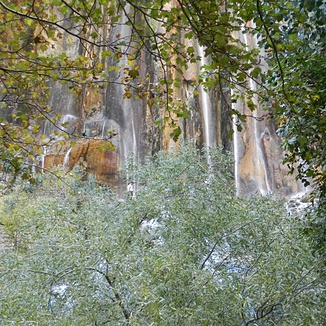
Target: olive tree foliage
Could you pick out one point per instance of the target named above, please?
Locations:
(183, 250)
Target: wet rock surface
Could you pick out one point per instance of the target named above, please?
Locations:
(95, 155)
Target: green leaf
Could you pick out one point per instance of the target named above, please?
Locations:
(175, 134)
(255, 72)
(64, 10)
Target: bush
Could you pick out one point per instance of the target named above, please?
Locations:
(183, 251)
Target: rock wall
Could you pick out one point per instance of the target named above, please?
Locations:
(130, 124)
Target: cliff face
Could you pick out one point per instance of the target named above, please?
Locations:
(129, 121)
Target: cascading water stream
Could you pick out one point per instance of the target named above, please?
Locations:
(257, 148)
(236, 144)
(103, 135)
(67, 158)
(129, 118)
(252, 170)
(260, 159)
(209, 119)
(45, 148)
(205, 104)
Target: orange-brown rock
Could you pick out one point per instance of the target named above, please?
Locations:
(94, 154)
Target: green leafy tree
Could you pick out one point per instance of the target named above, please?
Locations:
(32, 61)
(183, 250)
(294, 36)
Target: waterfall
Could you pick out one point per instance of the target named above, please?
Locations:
(123, 120)
(103, 135)
(257, 148)
(126, 112)
(236, 145)
(206, 104)
(67, 158)
(130, 134)
(62, 101)
(260, 158)
(252, 168)
(43, 158)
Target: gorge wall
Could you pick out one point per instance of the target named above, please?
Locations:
(130, 124)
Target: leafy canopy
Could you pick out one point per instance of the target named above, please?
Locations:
(36, 52)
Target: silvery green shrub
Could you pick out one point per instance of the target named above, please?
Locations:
(181, 250)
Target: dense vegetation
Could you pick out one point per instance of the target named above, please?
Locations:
(186, 251)
(182, 251)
